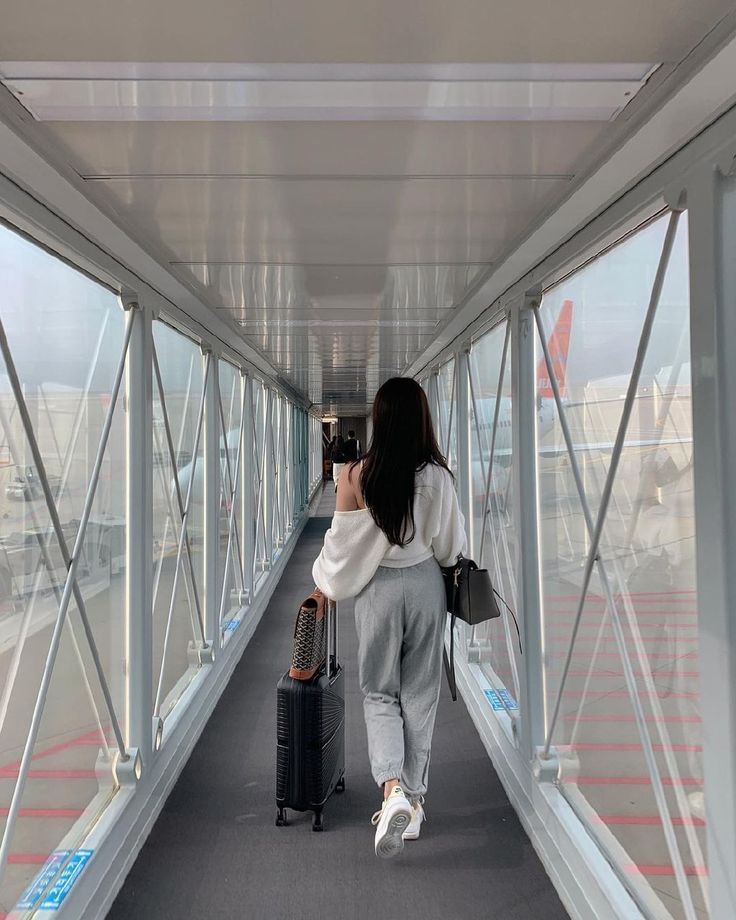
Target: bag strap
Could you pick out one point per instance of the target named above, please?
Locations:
(450, 664)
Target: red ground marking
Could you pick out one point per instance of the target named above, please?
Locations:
(590, 630)
(12, 773)
(624, 695)
(646, 869)
(653, 656)
(44, 812)
(652, 639)
(649, 820)
(641, 594)
(624, 748)
(656, 673)
(634, 781)
(90, 739)
(556, 615)
(630, 718)
(27, 859)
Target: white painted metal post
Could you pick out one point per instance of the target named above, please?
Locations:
(139, 535)
(212, 475)
(269, 484)
(246, 492)
(712, 236)
(524, 426)
(462, 422)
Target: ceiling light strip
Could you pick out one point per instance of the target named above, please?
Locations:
(333, 177)
(322, 100)
(343, 72)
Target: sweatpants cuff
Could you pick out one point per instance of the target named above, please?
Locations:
(387, 775)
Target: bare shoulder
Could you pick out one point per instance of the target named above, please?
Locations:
(349, 495)
(354, 471)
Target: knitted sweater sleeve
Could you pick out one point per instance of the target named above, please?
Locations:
(353, 549)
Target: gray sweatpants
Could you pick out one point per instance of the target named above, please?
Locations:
(400, 619)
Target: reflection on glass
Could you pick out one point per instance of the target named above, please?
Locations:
(594, 321)
(65, 335)
(496, 641)
(178, 477)
(230, 582)
(445, 421)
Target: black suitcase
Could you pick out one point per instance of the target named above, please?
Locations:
(310, 734)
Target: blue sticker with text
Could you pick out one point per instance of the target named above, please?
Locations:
(500, 699)
(231, 625)
(71, 865)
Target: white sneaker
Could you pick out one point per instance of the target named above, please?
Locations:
(417, 816)
(392, 821)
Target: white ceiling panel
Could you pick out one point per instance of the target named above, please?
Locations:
(336, 246)
(398, 289)
(338, 221)
(338, 31)
(330, 149)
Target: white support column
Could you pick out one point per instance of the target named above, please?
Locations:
(247, 460)
(269, 485)
(211, 449)
(462, 422)
(524, 425)
(139, 536)
(712, 236)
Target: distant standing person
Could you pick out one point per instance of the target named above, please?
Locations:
(352, 448)
(338, 459)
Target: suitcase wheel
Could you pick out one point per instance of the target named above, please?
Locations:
(340, 787)
(281, 818)
(317, 821)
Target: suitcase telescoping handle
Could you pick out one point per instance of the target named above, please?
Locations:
(331, 664)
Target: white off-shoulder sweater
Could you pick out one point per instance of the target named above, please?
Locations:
(355, 546)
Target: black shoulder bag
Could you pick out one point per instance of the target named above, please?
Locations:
(470, 598)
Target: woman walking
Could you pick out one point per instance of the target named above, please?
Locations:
(397, 521)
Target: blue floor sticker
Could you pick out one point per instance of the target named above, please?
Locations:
(35, 891)
(72, 862)
(501, 699)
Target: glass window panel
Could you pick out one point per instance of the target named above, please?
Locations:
(230, 582)
(496, 641)
(260, 502)
(66, 334)
(447, 403)
(177, 584)
(648, 554)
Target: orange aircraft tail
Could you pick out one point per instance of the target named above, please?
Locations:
(559, 346)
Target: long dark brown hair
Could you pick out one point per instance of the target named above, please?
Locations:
(403, 442)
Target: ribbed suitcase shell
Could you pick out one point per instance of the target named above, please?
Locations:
(310, 728)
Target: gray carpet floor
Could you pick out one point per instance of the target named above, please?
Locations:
(216, 853)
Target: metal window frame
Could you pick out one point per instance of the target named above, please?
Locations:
(595, 559)
(145, 767)
(692, 178)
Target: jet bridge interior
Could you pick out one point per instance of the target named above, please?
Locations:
(222, 227)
